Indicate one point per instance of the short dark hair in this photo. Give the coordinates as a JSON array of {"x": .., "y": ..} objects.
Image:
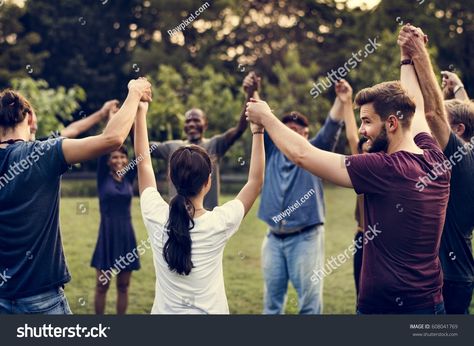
[
  {"x": 461, "y": 112},
  {"x": 388, "y": 98},
  {"x": 13, "y": 108},
  {"x": 295, "y": 117}
]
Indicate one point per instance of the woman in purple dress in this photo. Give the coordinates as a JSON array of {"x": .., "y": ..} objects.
[{"x": 116, "y": 250}]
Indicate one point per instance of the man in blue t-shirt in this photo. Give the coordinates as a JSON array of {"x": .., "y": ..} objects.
[{"x": 292, "y": 206}]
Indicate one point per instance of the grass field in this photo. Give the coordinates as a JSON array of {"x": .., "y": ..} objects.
[{"x": 243, "y": 278}]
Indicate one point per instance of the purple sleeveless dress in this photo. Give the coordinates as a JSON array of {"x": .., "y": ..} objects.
[{"x": 116, "y": 233}]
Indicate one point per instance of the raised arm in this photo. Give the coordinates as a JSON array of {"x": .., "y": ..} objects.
[
  {"x": 250, "y": 85},
  {"x": 414, "y": 45},
  {"x": 146, "y": 176},
  {"x": 344, "y": 94},
  {"x": 324, "y": 164},
  {"x": 452, "y": 85},
  {"x": 252, "y": 188},
  {"x": 74, "y": 129},
  {"x": 116, "y": 131},
  {"x": 410, "y": 83}
]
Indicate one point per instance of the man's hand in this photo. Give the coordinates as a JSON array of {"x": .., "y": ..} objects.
[
  {"x": 109, "y": 107},
  {"x": 258, "y": 111},
  {"x": 450, "y": 81},
  {"x": 251, "y": 84},
  {"x": 412, "y": 41},
  {"x": 142, "y": 87},
  {"x": 344, "y": 91}
]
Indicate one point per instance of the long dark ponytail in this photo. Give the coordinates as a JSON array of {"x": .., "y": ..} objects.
[{"x": 190, "y": 167}]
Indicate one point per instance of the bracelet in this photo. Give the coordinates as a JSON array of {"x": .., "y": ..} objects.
[
  {"x": 406, "y": 62},
  {"x": 257, "y": 132},
  {"x": 457, "y": 88}
]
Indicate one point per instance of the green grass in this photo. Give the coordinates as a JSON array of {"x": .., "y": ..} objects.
[{"x": 243, "y": 277}]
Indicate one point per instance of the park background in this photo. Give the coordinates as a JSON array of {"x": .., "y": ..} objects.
[{"x": 70, "y": 56}]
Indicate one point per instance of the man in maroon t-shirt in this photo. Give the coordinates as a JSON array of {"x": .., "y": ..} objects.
[{"x": 401, "y": 272}]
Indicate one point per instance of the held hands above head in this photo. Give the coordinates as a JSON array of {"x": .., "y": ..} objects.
[
  {"x": 344, "y": 91},
  {"x": 412, "y": 41},
  {"x": 142, "y": 87},
  {"x": 251, "y": 84},
  {"x": 258, "y": 111}
]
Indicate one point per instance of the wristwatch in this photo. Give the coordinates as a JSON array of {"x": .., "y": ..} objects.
[{"x": 406, "y": 62}]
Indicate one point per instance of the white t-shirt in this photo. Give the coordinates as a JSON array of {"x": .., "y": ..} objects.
[{"x": 202, "y": 291}]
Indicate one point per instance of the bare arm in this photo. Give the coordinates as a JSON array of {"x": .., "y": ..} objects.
[
  {"x": 146, "y": 175},
  {"x": 410, "y": 83},
  {"x": 252, "y": 188},
  {"x": 321, "y": 163},
  {"x": 251, "y": 85},
  {"x": 116, "y": 131},
  {"x": 432, "y": 95},
  {"x": 77, "y": 127},
  {"x": 453, "y": 86},
  {"x": 344, "y": 94},
  {"x": 409, "y": 79}
]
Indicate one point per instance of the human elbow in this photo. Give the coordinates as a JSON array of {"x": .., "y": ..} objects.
[{"x": 113, "y": 142}]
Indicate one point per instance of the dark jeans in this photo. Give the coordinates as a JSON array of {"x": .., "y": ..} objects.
[
  {"x": 438, "y": 309},
  {"x": 359, "y": 237},
  {"x": 457, "y": 296}
]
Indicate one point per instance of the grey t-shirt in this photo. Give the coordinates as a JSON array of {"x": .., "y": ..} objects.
[{"x": 216, "y": 147}]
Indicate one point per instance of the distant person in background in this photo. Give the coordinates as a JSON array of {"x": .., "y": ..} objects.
[
  {"x": 195, "y": 125},
  {"x": 31, "y": 251},
  {"x": 452, "y": 124},
  {"x": 78, "y": 127},
  {"x": 116, "y": 239},
  {"x": 294, "y": 245},
  {"x": 357, "y": 146}
]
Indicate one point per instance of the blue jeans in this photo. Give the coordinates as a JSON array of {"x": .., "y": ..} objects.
[
  {"x": 293, "y": 259},
  {"x": 52, "y": 302}
]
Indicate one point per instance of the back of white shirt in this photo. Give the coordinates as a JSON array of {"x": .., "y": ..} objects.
[{"x": 202, "y": 291}]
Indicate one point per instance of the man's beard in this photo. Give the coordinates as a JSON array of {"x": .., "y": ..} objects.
[{"x": 380, "y": 143}]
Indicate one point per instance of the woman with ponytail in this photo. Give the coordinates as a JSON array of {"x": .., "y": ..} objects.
[{"x": 187, "y": 240}]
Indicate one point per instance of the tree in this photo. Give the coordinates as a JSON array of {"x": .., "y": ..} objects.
[{"x": 52, "y": 106}]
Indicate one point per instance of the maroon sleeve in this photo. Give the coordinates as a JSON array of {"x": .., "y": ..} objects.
[
  {"x": 370, "y": 173},
  {"x": 424, "y": 141}
]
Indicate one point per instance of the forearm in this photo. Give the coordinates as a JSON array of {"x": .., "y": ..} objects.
[
  {"x": 257, "y": 160},
  {"x": 351, "y": 128},
  {"x": 410, "y": 84},
  {"x": 433, "y": 99},
  {"x": 324, "y": 164},
  {"x": 337, "y": 110},
  {"x": 432, "y": 94},
  {"x": 120, "y": 124},
  {"x": 146, "y": 175},
  {"x": 77, "y": 127},
  {"x": 252, "y": 188}
]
